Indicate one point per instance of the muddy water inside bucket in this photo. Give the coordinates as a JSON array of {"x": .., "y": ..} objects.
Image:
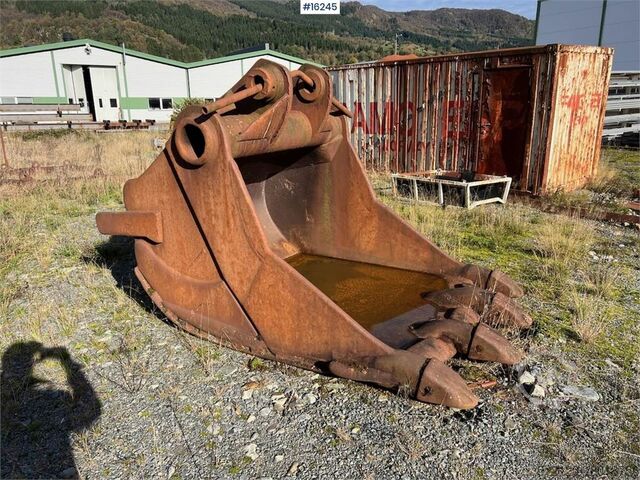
[{"x": 369, "y": 293}]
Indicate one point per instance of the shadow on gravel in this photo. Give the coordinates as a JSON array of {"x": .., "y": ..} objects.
[
  {"x": 117, "y": 255},
  {"x": 38, "y": 417}
]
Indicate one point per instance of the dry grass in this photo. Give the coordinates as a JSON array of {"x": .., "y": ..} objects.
[
  {"x": 121, "y": 153},
  {"x": 564, "y": 240},
  {"x": 618, "y": 173},
  {"x": 118, "y": 156},
  {"x": 34, "y": 215},
  {"x": 617, "y": 177},
  {"x": 604, "y": 279},
  {"x": 563, "y": 244},
  {"x": 546, "y": 253},
  {"x": 76, "y": 154},
  {"x": 589, "y": 316},
  {"x": 572, "y": 297}
]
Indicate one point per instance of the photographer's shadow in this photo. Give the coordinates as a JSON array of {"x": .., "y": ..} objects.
[{"x": 38, "y": 417}]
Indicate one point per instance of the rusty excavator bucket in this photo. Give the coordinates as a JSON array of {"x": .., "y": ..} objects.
[{"x": 256, "y": 227}]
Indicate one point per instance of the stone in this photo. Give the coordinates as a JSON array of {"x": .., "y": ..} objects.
[
  {"x": 310, "y": 398},
  {"x": 278, "y": 458},
  {"x": 510, "y": 424},
  {"x": 537, "y": 392},
  {"x": 526, "y": 378},
  {"x": 265, "y": 412},
  {"x": 582, "y": 393},
  {"x": 247, "y": 394},
  {"x": 546, "y": 380},
  {"x": 68, "y": 473},
  {"x": 334, "y": 386},
  {"x": 278, "y": 404},
  {"x": 293, "y": 469},
  {"x": 251, "y": 451},
  {"x": 612, "y": 364},
  {"x": 227, "y": 370}
]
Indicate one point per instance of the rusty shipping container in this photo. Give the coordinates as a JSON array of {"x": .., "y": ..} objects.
[{"x": 533, "y": 113}]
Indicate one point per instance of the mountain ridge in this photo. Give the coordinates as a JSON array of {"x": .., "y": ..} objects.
[{"x": 191, "y": 30}]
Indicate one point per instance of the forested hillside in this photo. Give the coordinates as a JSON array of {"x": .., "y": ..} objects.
[{"x": 197, "y": 29}]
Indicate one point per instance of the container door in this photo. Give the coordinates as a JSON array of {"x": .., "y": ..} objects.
[
  {"x": 504, "y": 121},
  {"x": 105, "y": 93}
]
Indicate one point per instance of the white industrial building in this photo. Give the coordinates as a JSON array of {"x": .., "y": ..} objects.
[
  {"x": 107, "y": 82},
  {"x": 606, "y": 23}
]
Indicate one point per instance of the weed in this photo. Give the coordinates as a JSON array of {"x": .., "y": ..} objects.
[
  {"x": 132, "y": 370},
  {"x": 617, "y": 177},
  {"x": 564, "y": 240},
  {"x": 340, "y": 435},
  {"x": 257, "y": 364},
  {"x": 410, "y": 445},
  {"x": 618, "y": 173},
  {"x": 604, "y": 279},
  {"x": 588, "y": 321},
  {"x": 53, "y": 134},
  {"x": 181, "y": 105}
]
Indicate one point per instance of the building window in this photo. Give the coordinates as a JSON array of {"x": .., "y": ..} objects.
[
  {"x": 154, "y": 104},
  {"x": 160, "y": 104},
  {"x": 24, "y": 100},
  {"x": 8, "y": 100},
  {"x": 113, "y": 102},
  {"x": 100, "y": 102}
]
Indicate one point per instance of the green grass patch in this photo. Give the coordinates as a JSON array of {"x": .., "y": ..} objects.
[{"x": 576, "y": 300}]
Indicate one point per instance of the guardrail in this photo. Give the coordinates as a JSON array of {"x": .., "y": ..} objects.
[{"x": 29, "y": 107}]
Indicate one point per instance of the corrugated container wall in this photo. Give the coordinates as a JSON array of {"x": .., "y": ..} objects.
[{"x": 532, "y": 113}]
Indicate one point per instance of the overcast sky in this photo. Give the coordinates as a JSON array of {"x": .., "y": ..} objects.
[{"x": 526, "y": 8}]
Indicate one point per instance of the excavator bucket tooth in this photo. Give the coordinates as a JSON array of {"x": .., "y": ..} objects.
[{"x": 256, "y": 227}]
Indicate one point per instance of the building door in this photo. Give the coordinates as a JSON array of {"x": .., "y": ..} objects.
[
  {"x": 77, "y": 88},
  {"x": 504, "y": 121},
  {"x": 105, "y": 93}
]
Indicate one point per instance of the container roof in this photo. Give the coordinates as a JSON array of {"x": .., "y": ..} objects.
[
  {"x": 529, "y": 50},
  {"x": 154, "y": 58}
]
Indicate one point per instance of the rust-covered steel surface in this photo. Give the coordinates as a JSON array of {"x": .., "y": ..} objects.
[
  {"x": 256, "y": 227},
  {"x": 533, "y": 113}
]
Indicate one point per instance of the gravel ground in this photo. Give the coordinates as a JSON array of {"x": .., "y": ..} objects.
[{"x": 139, "y": 399}]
